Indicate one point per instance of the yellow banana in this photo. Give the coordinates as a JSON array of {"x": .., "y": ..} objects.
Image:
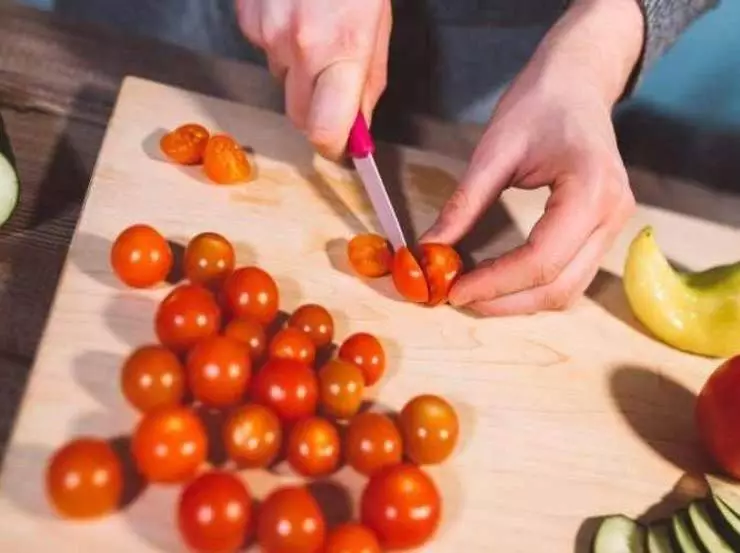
[{"x": 697, "y": 312}]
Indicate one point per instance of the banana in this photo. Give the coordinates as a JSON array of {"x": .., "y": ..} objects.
[{"x": 696, "y": 312}]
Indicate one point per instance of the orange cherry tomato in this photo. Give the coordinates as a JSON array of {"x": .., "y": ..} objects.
[
  {"x": 224, "y": 160},
  {"x": 152, "y": 376},
  {"x": 84, "y": 479},
  {"x": 185, "y": 316},
  {"x": 186, "y": 144},
  {"x": 209, "y": 259},
  {"x": 252, "y": 292},
  {"x": 430, "y": 429},
  {"x": 372, "y": 442},
  {"x": 341, "y": 385},
  {"x": 219, "y": 371},
  {"x": 291, "y": 521},
  {"x": 141, "y": 257},
  {"x": 365, "y": 351},
  {"x": 215, "y": 513},
  {"x": 169, "y": 445},
  {"x": 291, "y": 343},
  {"x": 288, "y": 387},
  {"x": 315, "y": 321},
  {"x": 408, "y": 277},
  {"x": 351, "y": 537},
  {"x": 251, "y": 333},
  {"x": 402, "y": 505},
  {"x": 253, "y": 436},
  {"x": 442, "y": 266},
  {"x": 313, "y": 447},
  {"x": 370, "y": 255}
]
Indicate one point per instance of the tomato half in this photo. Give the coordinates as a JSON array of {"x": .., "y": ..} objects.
[
  {"x": 250, "y": 332},
  {"x": 186, "y": 315},
  {"x": 224, "y": 160},
  {"x": 185, "y": 144},
  {"x": 291, "y": 521},
  {"x": 141, "y": 257},
  {"x": 351, "y": 537},
  {"x": 251, "y": 292},
  {"x": 315, "y": 321},
  {"x": 291, "y": 343},
  {"x": 341, "y": 385},
  {"x": 408, "y": 277},
  {"x": 209, "y": 258},
  {"x": 152, "y": 376},
  {"x": 219, "y": 371},
  {"x": 313, "y": 447},
  {"x": 430, "y": 429},
  {"x": 372, "y": 442},
  {"x": 428, "y": 278},
  {"x": 365, "y": 351},
  {"x": 253, "y": 436},
  {"x": 288, "y": 387},
  {"x": 370, "y": 255}
]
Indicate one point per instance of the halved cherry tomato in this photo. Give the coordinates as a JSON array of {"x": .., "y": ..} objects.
[
  {"x": 290, "y": 521},
  {"x": 186, "y": 315},
  {"x": 84, "y": 479},
  {"x": 430, "y": 429},
  {"x": 442, "y": 266},
  {"x": 370, "y": 255},
  {"x": 224, "y": 160},
  {"x": 402, "y": 505},
  {"x": 185, "y": 144},
  {"x": 372, "y": 442},
  {"x": 351, "y": 537},
  {"x": 141, "y": 257},
  {"x": 152, "y": 376},
  {"x": 215, "y": 513},
  {"x": 253, "y": 436},
  {"x": 288, "y": 387},
  {"x": 313, "y": 447},
  {"x": 219, "y": 371},
  {"x": 251, "y": 292},
  {"x": 169, "y": 445},
  {"x": 209, "y": 258},
  {"x": 365, "y": 351},
  {"x": 341, "y": 385},
  {"x": 291, "y": 343},
  {"x": 408, "y": 277},
  {"x": 250, "y": 332},
  {"x": 315, "y": 321}
]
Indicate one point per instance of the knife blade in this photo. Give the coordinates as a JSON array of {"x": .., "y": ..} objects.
[{"x": 360, "y": 147}]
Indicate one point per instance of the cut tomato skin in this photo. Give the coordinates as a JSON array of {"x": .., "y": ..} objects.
[
  {"x": 442, "y": 266},
  {"x": 408, "y": 277}
]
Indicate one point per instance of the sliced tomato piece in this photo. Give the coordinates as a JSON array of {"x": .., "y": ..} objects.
[
  {"x": 408, "y": 277},
  {"x": 442, "y": 266}
]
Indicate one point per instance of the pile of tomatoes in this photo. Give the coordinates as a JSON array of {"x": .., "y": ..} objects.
[{"x": 286, "y": 393}]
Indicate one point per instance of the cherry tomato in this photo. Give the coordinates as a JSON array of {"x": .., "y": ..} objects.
[
  {"x": 351, "y": 537},
  {"x": 365, "y": 351},
  {"x": 152, "y": 376},
  {"x": 291, "y": 343},
  {"x": 288, "y": 387},
  {"x": 224, "y": 160},
  {"x": 402, "y": 505},
  {"x": 253, "y": 436},
  {"x": 315, "y": 321},
  {"x": 251, "y": 333},
  {"x": 408, "y": 277},
  {"x": 169, "y": 445},
  {"x": 372, "y": 442},
  {"x": 185, "y": 145},
  {"x": 341, "y": 385},
  {"x": 442, "y": 266},
  {"x": 313, "y": 447},
  {"x": 291, "y": 521},
  {"x": 84, "y": 479},
  {"x": 209, "y": 259},
  {"x": 185, "y": 316},
  {"x": 219, "y": 371},
  {"x": 430, "y": 428},
  {"x": 141, "y": 257},
  {"x": 215, "y": 513},
  {"x": 252, "y": 292},
  {"x": 370, "y": 255}
]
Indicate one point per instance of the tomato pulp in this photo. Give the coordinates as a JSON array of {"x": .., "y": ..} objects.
[
  {"x": 224, "y": 160},
  {"x": 370, "y": 255},
  {"x": 185, "y": 144}
]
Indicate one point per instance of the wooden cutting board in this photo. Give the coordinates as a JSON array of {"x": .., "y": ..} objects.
[{"x": 565, "y": 416}]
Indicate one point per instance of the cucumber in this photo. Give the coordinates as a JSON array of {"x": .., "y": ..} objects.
[
  {"x": 619, "y": 534},
  {"x": 728, "y": 522},
  {"x": 705, "y": 531},
  {"x": 659, "y": 538},
  {"x": 9, "y": 185},
  {"x": 681, "y": 533}
]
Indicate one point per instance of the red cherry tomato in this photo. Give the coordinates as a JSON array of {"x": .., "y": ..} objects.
[
  {"x": 187, "y": 315},
  {"x": 430, "y": 429},
  {"x": 84, "y": 479},
  {"x": 365, "y": 351},
  {"x": 408, "y": 277},
  {"x": 288, "y": 387},
  {"x": 185, "y": 145},
  {"x": 291, "y": 521},
  {"x": 351, "y": 537},
  {"x": 209, "y": 259},
  {"x": 291, "y": 343},
  {"x": 372, "y": 442},
  {"x": 253, "y": 436},
  {"x": 141, "y": 257},
  {"x": 251, "y": 333},
  {"x": 402, "y": 505},
  {"x": 313, "y": 447},
  {"x": 169, "y": 445},
  {"x": 315, "y": 321},
  {"x": 252, "y": 292},
  {"x": 219, "y": 371},
  {"x": 215, "y": 513},
  {"x": 341, "y": 385},
  {"x": 224, "y": 160},
  {"x": 152, "y": 376},
  {"x": 370, "y": 255},
  {"x": 442, "y": 266}
]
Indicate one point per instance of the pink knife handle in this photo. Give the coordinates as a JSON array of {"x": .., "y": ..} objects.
[{"x": 360, "y": 143}]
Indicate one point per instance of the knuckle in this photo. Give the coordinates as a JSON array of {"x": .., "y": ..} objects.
[
  {"x": 350, "y": 41},
  {"x": 270, "y": 37},
  {"x": 458, "y": 202},
  {"x": 544, "y": 270},
  {"x": 325, "y": 140},
  {"x": 555, "y": 298},
  {"x": 304, "y": 39}
]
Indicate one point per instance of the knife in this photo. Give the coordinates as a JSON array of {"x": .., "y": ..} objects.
[{"x": 360, "y": 147}]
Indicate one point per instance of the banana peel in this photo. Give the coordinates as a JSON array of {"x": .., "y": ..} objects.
[{"x": 696, "y": 312}]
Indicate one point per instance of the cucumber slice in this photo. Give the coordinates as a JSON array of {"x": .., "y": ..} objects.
[
  {"x": 619, "y": 534},
  {"x": 681, "y": 533},
  {"x": 708, "y": 535},
  {"x": 659, "y": 538},
  {"x": 9, "y": 186},
  {"x": 728, "y": 522}
]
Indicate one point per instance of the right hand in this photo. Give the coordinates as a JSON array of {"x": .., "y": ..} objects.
[{"x": 332, "y": 56}]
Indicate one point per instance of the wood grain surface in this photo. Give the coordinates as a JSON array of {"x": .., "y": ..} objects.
[{"x": 565, "y": 416}]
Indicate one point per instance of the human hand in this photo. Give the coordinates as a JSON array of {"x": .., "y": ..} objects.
[
  {"x": 552, "y": 128},
  {"x": 332, "y": 56}
]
